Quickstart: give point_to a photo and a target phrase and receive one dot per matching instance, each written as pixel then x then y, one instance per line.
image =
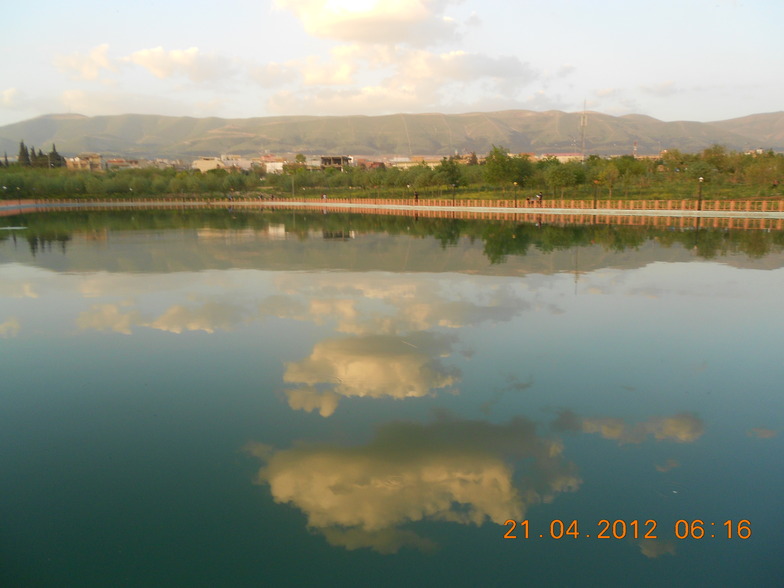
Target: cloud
pixel 386 305
pixel 107 317
pixel 190 63
pixel 310 399
pixel 317 72
pixel 10 328
pixel 565 70
pixel 416 22
pixel 667 466
pixel 762 433
pixel 86 67
pixel 662 90
pixel 9 98
pixel 681 428
pixel 609 92
pixel 209 317
pixel 377 366
pixel 653 548
pixel 12 288
pixel 416 79
pixel 463 472
pixel 272 75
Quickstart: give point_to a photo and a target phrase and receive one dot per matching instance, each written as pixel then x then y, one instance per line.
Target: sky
pixel 698 60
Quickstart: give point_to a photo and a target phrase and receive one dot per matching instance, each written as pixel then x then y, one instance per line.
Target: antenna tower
pixel 583 124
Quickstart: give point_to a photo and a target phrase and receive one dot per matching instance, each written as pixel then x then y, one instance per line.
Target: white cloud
pixel 416 22
pixel 373 366
pixel 9 328
pixel 416 80
pixel 681 428
pixel 86 67
pixel 272 75
pixel 662 90
pixel 209 317
pixel 653 548
pixel 9 97
pixel 316 72
pixel 107 317
pixel 464 472
pixel 191 63
pixel 608 92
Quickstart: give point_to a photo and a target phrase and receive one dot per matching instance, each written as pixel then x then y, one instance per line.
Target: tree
pixel 55 159
pixel 24 155
pixel 561 176
pixel 522 169
pixel 498 166
pixel 449 173
pixel 609 175
pixel 38 159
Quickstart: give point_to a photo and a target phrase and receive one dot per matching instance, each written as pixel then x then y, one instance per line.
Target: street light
pixel 699 193
pixel 515 194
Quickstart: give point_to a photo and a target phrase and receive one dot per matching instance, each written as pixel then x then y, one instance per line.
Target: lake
pixel 252 398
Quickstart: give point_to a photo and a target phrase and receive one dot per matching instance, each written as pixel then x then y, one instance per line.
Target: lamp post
pixel 699 193
pixel 515 194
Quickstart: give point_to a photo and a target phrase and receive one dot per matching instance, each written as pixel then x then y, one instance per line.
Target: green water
pixel 292 399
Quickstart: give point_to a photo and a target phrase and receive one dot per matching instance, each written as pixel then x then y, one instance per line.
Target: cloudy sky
pixel 674 59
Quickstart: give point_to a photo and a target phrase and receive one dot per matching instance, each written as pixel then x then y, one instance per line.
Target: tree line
pixel 27 157
pixel 724 173
pixel 718 172
pixel 500 238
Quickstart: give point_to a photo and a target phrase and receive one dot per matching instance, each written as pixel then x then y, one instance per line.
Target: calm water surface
pixel 292 399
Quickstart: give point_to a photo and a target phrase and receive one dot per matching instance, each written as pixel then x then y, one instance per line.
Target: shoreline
pixel 465 208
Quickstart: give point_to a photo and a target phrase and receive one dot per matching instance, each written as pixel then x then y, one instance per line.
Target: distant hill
pixel 134 135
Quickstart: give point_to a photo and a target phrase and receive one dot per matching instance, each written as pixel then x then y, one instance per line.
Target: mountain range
pixel 403 135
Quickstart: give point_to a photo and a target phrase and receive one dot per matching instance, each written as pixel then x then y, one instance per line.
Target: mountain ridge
pixel 521 131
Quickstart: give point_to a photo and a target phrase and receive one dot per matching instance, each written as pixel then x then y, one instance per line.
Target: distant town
pixel 714 173
pixel 273 164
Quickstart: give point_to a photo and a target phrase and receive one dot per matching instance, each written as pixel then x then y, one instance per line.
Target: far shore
pixel 771 209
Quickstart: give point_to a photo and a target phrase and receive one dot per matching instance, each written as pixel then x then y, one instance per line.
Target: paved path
pixel 8 208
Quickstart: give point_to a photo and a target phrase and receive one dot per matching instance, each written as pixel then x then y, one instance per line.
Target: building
pixel 227 162
pixel 85 162
pixel 121 163
pixel 336 161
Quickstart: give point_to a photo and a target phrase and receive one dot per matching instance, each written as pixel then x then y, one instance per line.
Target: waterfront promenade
pixel 768 214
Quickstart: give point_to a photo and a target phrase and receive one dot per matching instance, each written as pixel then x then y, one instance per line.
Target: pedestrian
pixel 416 196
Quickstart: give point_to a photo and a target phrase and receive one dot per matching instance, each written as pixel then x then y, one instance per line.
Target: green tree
pixel 24 155
pixel 449 173
pixel 608 176
pixel 559 177
pixel 522 169
pixel 498 166
pixel 55 159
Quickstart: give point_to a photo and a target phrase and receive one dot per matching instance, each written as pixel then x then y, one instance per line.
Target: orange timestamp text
pixel 634 529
